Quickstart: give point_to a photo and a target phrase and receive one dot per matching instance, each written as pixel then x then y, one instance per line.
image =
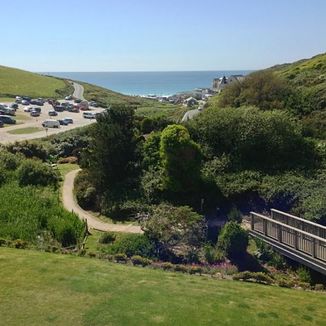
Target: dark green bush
pixel 31 149
pixel 258 277
pixel 20 244
pixel 32 172
pixel 120 258
pixel 140 261
pixel 85 191
pixel 304 274
pixel 107 237
pixel 132 245
pixel 233 240
pixel 167 266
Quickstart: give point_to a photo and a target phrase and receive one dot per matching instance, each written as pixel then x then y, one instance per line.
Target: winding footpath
pixel 71 205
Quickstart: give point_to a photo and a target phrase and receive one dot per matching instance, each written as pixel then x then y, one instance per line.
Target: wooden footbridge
pixel 293 237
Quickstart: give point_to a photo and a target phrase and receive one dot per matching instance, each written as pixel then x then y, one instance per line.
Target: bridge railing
pixel 299 223
pixel 290 236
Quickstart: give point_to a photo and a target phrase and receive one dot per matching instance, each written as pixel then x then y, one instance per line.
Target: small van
pixel 49 123
pixel 89 115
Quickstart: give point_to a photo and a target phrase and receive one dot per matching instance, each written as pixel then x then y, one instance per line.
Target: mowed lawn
pixel 19 82
pixel 48 289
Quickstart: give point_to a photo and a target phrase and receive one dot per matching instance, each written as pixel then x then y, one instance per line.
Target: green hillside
pixel 48 289
pixel 15 82
pixel 309 76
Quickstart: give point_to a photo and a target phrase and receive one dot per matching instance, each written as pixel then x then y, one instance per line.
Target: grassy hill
pixel 309 76
pixel 47 289
pixel 19 82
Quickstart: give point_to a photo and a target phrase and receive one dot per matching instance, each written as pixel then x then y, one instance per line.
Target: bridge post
pixel 279 233
pixel 265 227
pixel 295 240
pixel 252 221
pixel 313 252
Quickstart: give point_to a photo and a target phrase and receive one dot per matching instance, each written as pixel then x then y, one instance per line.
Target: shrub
pixel 9 161
pixel 30 150
pixel 319 287
pixel 258 277
pixel 120 258
pixel 304 274
pixel 107 237
pixel 285 283
pixel 132 245
pixel 3 242
pixel 233 240
pixel 212 254
pixel 138 260
pixel 234 215
pixel 181 268
pixel 85 191
pixel 20 244
pixel 32 172
pixel 167 266
pixel 194 269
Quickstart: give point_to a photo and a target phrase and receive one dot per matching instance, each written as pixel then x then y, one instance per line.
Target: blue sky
pixel 151 35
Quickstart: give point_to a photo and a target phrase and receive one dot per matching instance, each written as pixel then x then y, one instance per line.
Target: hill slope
pixel 19 82
pixel 47 289
pixel 309 76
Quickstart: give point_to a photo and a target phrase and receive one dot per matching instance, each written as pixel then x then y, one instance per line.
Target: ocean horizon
pixel 150 82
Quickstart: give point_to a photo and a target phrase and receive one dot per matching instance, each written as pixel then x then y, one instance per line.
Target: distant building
pixel 190 101
pixel 220 83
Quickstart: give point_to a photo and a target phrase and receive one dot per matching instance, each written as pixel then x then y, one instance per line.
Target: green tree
pixel 113 153
pixel 177 231
pixel 181 159
pixel 233 240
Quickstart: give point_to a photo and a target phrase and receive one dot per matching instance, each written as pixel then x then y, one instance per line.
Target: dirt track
pixel 70 204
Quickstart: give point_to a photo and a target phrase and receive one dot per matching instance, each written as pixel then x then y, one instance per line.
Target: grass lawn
pixel 48 289
pixel 23 117
pixel 66 168
pixel 27 130
pixel 19 82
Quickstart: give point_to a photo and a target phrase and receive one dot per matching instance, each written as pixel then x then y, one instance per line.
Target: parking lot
pixel 26 121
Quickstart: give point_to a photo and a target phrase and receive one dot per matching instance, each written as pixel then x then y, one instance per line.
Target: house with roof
pixel 220 83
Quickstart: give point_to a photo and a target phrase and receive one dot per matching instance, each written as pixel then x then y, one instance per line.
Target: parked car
pixel 93 103
pixel 59 108
pixel 5 110
pixel 37 102
pixel 63 122
pixel 68 98
pixel 52 113
pixel 14 106
pixel 49 123
pixel 78 100
pixel 35 113
pixel 28 108
pixel 68 120
pixel 89 115
pixel 25 102
pixel 7 119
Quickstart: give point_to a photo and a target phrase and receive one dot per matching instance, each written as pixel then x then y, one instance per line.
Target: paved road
pixel 79 91
pixel 70 204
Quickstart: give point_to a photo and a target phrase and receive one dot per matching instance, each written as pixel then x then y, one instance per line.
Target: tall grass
pixel 26 212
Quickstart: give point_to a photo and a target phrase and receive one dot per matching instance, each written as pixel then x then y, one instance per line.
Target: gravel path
pixel 70 204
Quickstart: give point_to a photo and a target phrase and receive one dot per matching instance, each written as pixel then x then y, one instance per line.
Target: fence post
pixel 265 227
pixel 295 240
pixel 313 253
pixel 279 233
pixel 252 221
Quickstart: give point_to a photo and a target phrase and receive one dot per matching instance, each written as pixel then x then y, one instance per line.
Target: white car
pixel 49 123
pixel 28 109
pixel 89 115
pixel 68 120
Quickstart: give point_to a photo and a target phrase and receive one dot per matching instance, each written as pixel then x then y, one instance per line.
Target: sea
pixel 150 83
